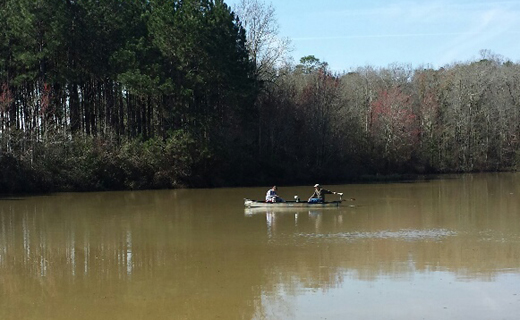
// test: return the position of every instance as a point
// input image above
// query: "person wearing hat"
(319, 194)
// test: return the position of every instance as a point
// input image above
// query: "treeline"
(397, 120)
(104, 94)
(132, 94)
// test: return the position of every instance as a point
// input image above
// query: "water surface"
(441, 249)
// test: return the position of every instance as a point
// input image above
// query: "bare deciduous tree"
(266, 48)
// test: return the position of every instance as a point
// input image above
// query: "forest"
(133, 94)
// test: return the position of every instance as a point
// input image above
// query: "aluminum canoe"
(248, 203)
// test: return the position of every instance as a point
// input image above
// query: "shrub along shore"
(125, 95)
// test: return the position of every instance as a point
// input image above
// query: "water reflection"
(455, 225)
(152, 254)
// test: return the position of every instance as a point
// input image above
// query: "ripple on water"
(404, 235)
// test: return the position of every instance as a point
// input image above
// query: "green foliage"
(111, 80)
(132, 94)
(309, 64)
(98, 164)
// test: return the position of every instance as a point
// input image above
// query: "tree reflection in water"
(187, 252)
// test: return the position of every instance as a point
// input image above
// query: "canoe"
(248, 203)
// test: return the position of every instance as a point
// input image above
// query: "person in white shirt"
(272, 196)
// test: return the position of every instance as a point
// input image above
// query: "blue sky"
(349, 34)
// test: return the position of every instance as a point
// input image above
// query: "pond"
(447, 248)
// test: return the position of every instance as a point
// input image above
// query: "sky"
(348, 34)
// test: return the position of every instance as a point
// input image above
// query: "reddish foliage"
(6, 97)
(45, 98)
(393, 120)
(324, 82)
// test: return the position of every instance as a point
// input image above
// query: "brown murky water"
(442, 249)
